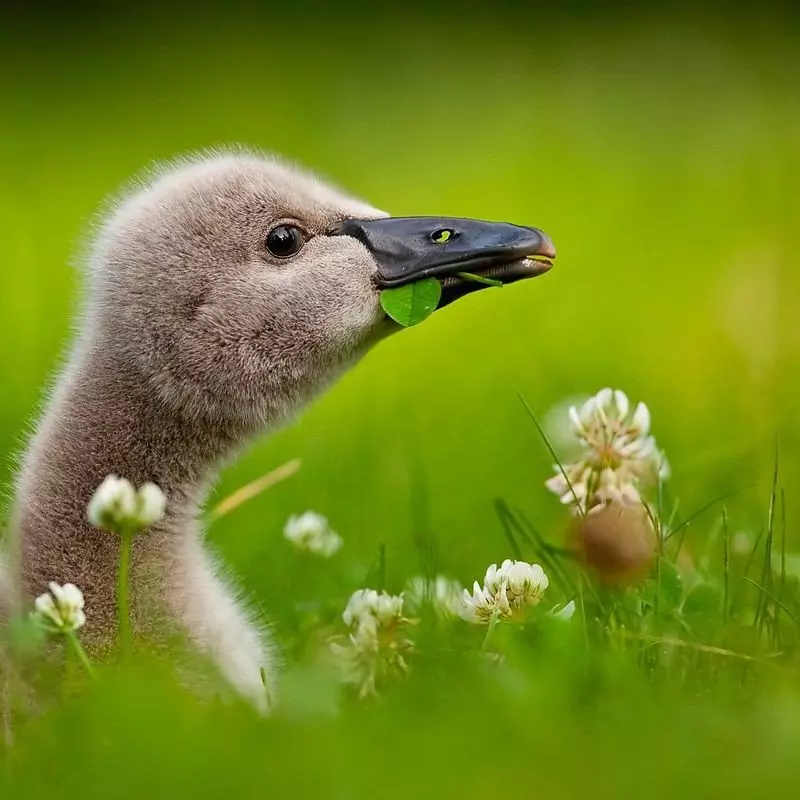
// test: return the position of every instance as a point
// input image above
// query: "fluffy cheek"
(260, 366)
(338, 284)
(265, 341)
(350, 311)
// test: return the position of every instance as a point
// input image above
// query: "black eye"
(285, 240)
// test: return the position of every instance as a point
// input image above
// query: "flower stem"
(490, 629)
(81, 653)
(123, 592)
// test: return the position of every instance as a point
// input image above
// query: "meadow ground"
(662, 156)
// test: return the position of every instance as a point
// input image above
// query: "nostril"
(443, 235)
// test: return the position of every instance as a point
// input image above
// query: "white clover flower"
(152, 504)
(117, 506)
(60, 609)
(507, 591)
(482, 605)
(383, 607)
(311, 532)
(444, 595)
(375, 649)
(618, 459)
(114, 498)
(616, 486)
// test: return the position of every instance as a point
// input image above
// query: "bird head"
(238, 287)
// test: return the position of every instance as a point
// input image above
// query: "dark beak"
(407, 249)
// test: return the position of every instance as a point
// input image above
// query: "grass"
(657, 153)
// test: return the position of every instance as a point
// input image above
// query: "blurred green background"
(660, 149)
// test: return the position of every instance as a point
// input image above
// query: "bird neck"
(104, 418)
(110, 420)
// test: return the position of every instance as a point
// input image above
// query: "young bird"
(221, 296)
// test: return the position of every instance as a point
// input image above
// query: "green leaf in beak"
(411, 304)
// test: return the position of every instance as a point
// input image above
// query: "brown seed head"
(616, 542)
